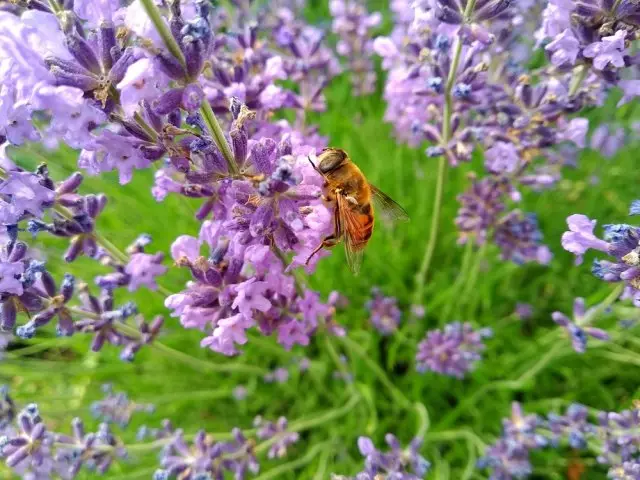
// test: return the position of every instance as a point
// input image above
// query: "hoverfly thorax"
(349, 194)
(331, 159)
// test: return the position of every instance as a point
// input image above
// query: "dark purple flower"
(30, 446)
(574, 426)
(384, 311)
(519, 239)
(452, 351)
(278, 432)
(404, 464)
(116, 407)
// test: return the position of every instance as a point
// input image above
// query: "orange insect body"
(348, 192)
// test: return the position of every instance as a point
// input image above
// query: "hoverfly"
(347, 190)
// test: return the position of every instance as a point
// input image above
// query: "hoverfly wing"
(390, 210)
(353, 228)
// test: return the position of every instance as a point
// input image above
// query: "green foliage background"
(64, 378)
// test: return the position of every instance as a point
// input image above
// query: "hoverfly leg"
(328, 242)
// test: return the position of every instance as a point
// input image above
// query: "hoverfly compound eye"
(330, 159)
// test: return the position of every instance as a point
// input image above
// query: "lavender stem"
(421, 276)
(218, 136)
(154, 15)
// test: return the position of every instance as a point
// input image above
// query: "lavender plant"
(212, 117)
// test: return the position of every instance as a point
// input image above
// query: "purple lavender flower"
(520, 431)
(502, 158)
(279, 375)
(523, 311)
(620, 242)
(607, 140)
(116, 407)
(576, 328)
(23, 194)
(519, 239)
(384, 311)
(453, 351)
(609, 51)
(580, 237)
(19, 274)
(278, 432)
(95, 450)
(508, 457)
(406, 464)
(143, 268)
(352, 23)
(574, 426)
(31, 445)
(480, 209)
(206, 458)
(243, 283)
(564, 49)
(506, 462)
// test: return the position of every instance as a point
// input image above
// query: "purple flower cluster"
(458, 80)
(278, 434)
(205, 458)
(592, 35)
(33, 451)
(116, 407)
(152, 95)
(397, 463)
(612, 436)
(384, 311)
(452, 351)
(620, 241)
(352, 23)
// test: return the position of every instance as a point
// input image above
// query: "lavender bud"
(117, 72)
(82, 52)
(239, 142)
(107, 41)
(68, 286)
(168, 101)
(192, 97)
(170, 66)
(71, 184)
(49, 283)
(8, 315)
(194, 55)
(75, 247)
(78, 80)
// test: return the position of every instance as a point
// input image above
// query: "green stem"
(204, 365)
(602, 306)
(177, 355)
(156, 18)
(218, 136)
(423, 419)
(470, 287)
(516, 384)
(463, 433)
(421, 276)
(378, 371)
(458, 284)
(340, 366)
(580, 74)
(301, 425)
(294, 464)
